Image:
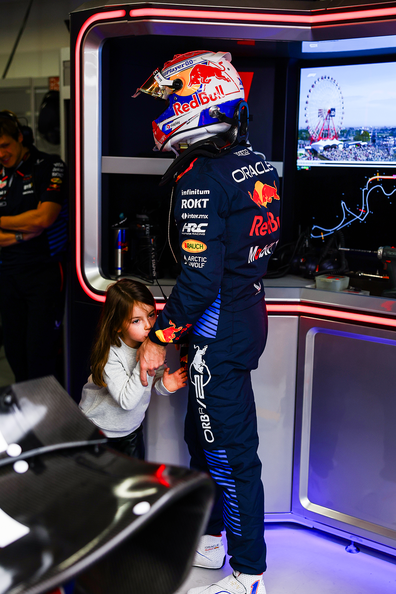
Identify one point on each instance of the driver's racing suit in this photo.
(227, 213)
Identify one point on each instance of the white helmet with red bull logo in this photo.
(203, 91)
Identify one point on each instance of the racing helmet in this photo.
(202, 90)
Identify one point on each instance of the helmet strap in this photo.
(242, 117)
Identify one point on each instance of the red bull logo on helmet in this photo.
(198, 100)
(263, 194)
(204, 82)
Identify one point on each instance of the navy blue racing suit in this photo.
(32, 287)
(227, 213)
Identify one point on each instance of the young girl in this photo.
(114, 398)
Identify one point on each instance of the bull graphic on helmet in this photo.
(204, 73)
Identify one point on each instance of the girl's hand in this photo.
(174, 381)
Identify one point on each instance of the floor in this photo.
(300, 560)
(305, 561)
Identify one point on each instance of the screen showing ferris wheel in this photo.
(347, 115)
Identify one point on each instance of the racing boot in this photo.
(236, 583)
(210, 553)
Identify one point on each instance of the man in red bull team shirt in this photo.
(227, 212)
(33, 242)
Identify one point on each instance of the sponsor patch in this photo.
(262, 227)
(246, 172)
(193, 215)
(193, 246)
(195, 192)
(170, 333)
(200, 376)
(194, 203)
(256, 252)
(243, 153)
(263, 194)
(194, 228)
(195, 261)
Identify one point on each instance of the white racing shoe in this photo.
(210, 553)
(236, 583)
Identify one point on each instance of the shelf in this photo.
(150, 166)
(135, 165)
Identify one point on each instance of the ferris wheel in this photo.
(324, 109)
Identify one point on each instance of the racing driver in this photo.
(227, 213)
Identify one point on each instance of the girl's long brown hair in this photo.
(120, 299)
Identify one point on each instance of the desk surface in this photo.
(295, 289)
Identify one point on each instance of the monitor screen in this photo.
(359, 203)
(347, 115)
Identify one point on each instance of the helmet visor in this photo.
(156, 86)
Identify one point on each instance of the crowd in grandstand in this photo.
(351, 153)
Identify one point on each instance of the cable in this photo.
(17, 39)
(169, 220)
(163, 294)
(337, 240)
(283, 270)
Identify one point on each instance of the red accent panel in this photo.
(101, 16)
(188, 169)
(247, 78)
(302, 19)
(159, 475)
(300, 309)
